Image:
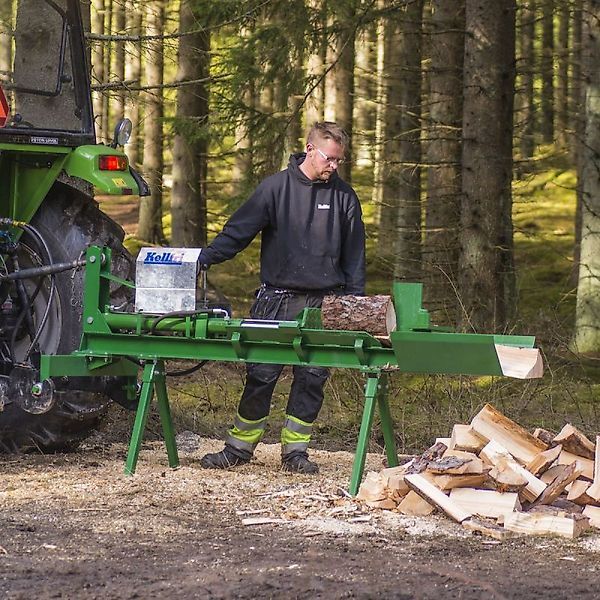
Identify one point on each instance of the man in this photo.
(313, 244)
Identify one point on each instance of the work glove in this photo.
(203, 264)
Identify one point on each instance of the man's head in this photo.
(326, 145)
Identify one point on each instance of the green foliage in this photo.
(544, 217)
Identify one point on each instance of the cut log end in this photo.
(522, 363)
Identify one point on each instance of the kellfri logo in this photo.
(163, 258)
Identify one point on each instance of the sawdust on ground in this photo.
(74, 526)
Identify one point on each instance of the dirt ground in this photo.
(74, 526)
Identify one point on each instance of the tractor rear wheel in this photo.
(69, 222)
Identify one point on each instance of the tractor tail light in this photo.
(113, 163)
(4, 109)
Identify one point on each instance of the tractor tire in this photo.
(69, 222)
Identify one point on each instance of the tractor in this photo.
(50, 165)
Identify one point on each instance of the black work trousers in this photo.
(306, 394)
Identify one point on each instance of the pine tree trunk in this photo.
(577, 114)
(98, 73)
(271, 150)
(587, 320)
(576, 99)
(344, 79)
(133, 73)
(440, 256)
(527, 112)
(108, 52)
(562, 88)
(315, 67)
(119, 57)
(242, 178)
(6, 16)
(381, 94)
(190, 146)
(407, 238)
(547, 72)
(150, 219)
(485, 260)
(330, 106)
(293, 123)
(387, 174)
(366, 58)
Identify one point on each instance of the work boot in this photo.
(223, 460)
(299, 463)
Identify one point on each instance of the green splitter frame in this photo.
(123, 343)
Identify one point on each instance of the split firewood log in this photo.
(486, 527)
(570, 526)
(556, 488)
(578, 493)
(568, 458)
(475, 464)
(449, 482)
(544, 460)
(495, 453)
(544, 435)
(485, 503)
(491, 424)
(464, 438)
(449, 465)
(505, 478)
(372, 488)
(373, 314)
(415, 506)
(573, 441)
(593, 514)
(419, 464)
(435, 496)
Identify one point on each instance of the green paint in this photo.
(32, 169)
(83, 163)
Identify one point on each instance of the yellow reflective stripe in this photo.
(297, 420)
(293, 437)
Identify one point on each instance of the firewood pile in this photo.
(496, 478)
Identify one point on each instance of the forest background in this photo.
(475, 152)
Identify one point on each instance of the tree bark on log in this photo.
(373, 314)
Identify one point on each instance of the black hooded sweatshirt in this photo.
(313, 236)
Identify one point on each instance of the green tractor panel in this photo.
(49, 166)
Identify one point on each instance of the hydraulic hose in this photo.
(42, 243)
(44, 270)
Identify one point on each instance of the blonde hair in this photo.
(328, 130)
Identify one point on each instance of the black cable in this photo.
(181, 373)
(189, 371)
(41, 242)
(44, 270)
(181, 314)
(23, 313)
(34, 232)
(135, 361)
